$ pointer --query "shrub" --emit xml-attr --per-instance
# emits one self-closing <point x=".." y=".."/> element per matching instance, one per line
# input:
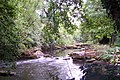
<point x="105" y="57"/>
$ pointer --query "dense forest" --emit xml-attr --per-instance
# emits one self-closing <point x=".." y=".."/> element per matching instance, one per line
<point x="37" y="23"/>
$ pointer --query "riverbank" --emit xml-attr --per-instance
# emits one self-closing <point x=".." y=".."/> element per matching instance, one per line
<point x="89" y="67"/>
<point x="89" y="53"/>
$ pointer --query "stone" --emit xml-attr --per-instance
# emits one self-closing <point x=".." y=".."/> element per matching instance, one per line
<point x="7" y="73"/>
<point x="90" y="54"/>
<point x="57" y="47"/>
<point x="33" y="53"/>
<point x="37" y="54"/>
<point x="77" y="55"/>
<point x="71" y="47"/>
<point x="90" y="60"/>
<point x="47" y="55"/>
<point x="86" y="54"/>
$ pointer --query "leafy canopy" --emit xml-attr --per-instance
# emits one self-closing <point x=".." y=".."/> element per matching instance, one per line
<point x="16" y="19"/>
<point x="97" y="23"/>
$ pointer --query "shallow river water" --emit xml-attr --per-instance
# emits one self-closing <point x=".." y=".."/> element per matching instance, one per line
<point x="59" y="67"/>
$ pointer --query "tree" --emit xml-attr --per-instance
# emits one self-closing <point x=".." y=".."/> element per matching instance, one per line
<point x="113" y="9"/>
<point x="8" y="32"/>
<point x="97" y="24"/>
<point x="56" y="15"/>
<point x="17" y="18"/>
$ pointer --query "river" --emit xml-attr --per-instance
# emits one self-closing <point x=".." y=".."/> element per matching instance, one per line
<point x="58" y="67"/>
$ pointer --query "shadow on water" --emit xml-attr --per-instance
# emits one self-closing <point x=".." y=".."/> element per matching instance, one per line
<point x="61" y="67"/>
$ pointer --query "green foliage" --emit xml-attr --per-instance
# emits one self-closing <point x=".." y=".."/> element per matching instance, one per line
<point x="17" y="21"/>
<point x="117" y="41"/>
<point x="8" y="32"/>
<point x="105" y="57"/>
<point x="111" y="55"/>
<point x="97" y="23"/>
<point x="27" y="22"/>
<point x="114" y="50"/>
<point x="77" y="36"/>
<point x="113" y="7"/>
<point x="21" y="28"/>
<point x="55" y="16"/>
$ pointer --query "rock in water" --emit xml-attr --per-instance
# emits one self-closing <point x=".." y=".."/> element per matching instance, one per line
<point x="33" y="53"/>
<point x="7" y="73"/>
<point x="77" y="55"/>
